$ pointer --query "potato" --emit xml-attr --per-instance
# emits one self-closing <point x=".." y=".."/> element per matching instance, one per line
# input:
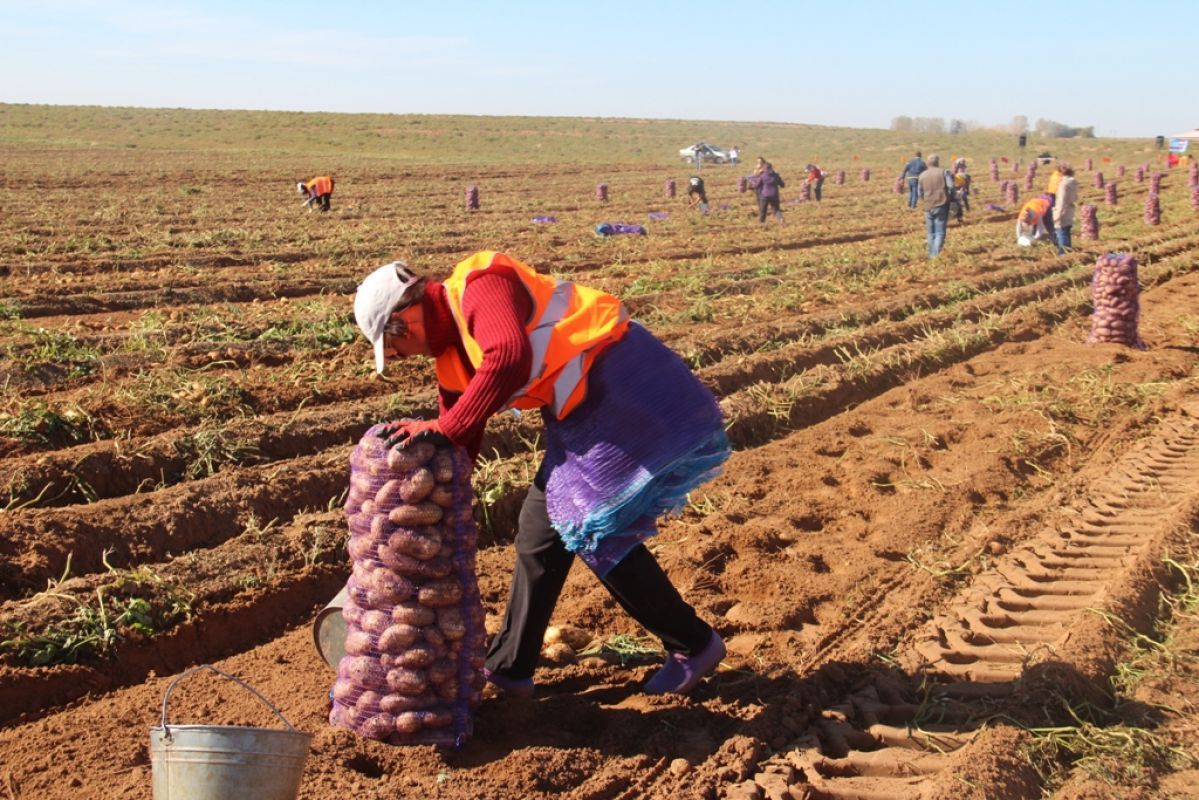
<point x="443" y="465"/>
<point x="410" y="457"/>
<point x="559" y="654"/>
<point x="359" y="522"/>
<point x="442" y="495"/>
<point x="368" y="701"/>
<point x="436" y="594"/>
<point x="361" y="483"/>
<point x="368" y="507"/>
<point x="448" y="690"/>
<point x="396" y="703"/>
<point x="576" y="637"/>
<point x="361" y="547"/>
<point x="413" y="613"/>
<point x="451" y="623"/>
<point x="407" y="681"/>
<point x="347" y="716"/>
<point x="381" y="528"/>
<point x="416" y="487"/>
<point x="437" y="719"/>
<point x="345" y="691"/>
<point x="377" y="726"/>
<point x="389" y="588"/>
<point x="434" y="636"/>
<point x="388" y="495"/>
<point x="409" y="722"/>
<point x="412" y="516"/>
<point x="442" y="670"/>
<point x="363" y="671"/>
<point x="422" y="543"/>
<point x="397" y="638"/>
<point x="418" y="655"/>
<point x="374" y="621"/>
<point x="358" y="643"/>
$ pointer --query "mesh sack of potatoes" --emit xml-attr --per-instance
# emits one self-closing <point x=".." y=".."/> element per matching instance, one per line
<point x="414" y="618"/>
<point x="1115" y="296"/>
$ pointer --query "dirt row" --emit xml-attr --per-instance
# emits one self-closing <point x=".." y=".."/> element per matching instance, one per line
<point x="784" y="553"/>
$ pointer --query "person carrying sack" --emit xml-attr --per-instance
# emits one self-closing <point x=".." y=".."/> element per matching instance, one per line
<point x="629" y="431"/>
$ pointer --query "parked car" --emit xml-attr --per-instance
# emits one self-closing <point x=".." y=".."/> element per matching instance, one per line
<point x="708" y="152"/>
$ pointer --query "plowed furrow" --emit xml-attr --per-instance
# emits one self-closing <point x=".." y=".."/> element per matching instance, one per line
<point x="980" y="646"/>
<point x="242" y="591"/>
<point x="38" y="545"/>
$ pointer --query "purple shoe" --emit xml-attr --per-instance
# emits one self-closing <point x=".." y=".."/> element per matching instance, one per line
<point x="521" y="688"/>
<point x="683" y="673"/>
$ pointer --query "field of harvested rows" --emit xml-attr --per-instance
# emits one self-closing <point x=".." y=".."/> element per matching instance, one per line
<point x="954" y="554"/>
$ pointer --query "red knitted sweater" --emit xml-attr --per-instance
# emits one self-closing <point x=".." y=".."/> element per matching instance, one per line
<point x="496" y="307"/>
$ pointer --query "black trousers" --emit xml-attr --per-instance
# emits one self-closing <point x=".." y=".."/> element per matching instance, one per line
<point x="542" y="564"/>
<point x="767" y="203"/>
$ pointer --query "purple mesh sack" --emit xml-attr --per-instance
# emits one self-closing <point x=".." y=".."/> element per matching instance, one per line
<point x="619" y="229"/>
<point x="412" y="673"/>
<point x="1115" y="297"/>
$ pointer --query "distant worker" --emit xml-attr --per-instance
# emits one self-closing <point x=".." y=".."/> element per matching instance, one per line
<point x="961" y="188"/>
<point x="734" y="155"/>
<point x="696" y="196"/>
<point x="767" y="183"/>
<point x="1063" y="207"/>
<point x="936" y="186"/>
<point x="911" y="171"/>
<point x="1030" y="222"/>
<point x="318" y="190"/>
<point x="815" y="179"/>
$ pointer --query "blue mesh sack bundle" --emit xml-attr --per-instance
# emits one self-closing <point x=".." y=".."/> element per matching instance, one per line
<point x="412" y="673"/>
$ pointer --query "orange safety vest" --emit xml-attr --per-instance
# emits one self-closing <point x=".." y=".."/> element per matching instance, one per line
<point x="1039" y="207"/>
<point x="1054" y="180"/>
<point x="319" y="186"/>
<point x="570" y="326"/>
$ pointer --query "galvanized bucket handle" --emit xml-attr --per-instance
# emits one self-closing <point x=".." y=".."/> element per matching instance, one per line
<point x="167" y="695"/>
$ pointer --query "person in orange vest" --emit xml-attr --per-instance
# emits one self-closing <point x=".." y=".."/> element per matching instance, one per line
<point x="319" y="190"/>
<point x="629" y="431"/>
<point x="1030" y="222"/>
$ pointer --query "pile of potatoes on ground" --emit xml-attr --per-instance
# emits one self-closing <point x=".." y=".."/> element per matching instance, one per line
<point x="1115" y="295"/>
<point x="415" y="633"/>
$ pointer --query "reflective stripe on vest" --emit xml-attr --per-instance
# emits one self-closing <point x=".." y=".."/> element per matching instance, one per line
<point x="560" y="356"/>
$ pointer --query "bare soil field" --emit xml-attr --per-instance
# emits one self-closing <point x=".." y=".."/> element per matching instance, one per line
<point x="954" y="554"/>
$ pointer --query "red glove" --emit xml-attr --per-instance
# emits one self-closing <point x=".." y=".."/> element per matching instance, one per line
<point x="406" y="432"/>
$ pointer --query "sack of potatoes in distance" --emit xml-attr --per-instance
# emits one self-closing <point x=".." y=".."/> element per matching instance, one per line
<point x="412" y="669"/>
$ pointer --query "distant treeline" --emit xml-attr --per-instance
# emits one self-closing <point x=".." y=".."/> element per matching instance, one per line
<point x="1046" y="128"/>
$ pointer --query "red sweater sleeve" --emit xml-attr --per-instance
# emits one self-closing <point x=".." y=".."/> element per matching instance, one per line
<point x="495" y="307"/>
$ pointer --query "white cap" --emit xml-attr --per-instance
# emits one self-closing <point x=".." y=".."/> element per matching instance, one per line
<point x="300" y="186"/>
<point x="377" y="297"/>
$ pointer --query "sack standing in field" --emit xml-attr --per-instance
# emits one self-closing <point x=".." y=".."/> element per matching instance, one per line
<point x="506" y="336"/>
<point x="1115" y="296"/>
<point x="414" y="619"/>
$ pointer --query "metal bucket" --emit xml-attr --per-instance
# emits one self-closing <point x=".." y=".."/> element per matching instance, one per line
<point x="217" y="762"/>
<point x="329" y="631"/>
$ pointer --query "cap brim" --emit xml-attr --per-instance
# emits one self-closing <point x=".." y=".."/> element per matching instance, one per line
<point x="380" y="359"/>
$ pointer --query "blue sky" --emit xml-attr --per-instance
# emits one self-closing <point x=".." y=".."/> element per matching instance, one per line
<point x="1112" y="65"/>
